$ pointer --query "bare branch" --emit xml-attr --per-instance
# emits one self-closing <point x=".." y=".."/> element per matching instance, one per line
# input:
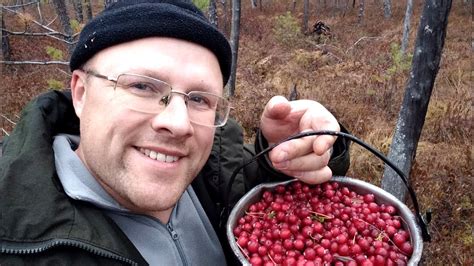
<point x="47" y="34"/>
<point x="37" y="23"/>
<point x="64" y="72"/>
<point x="361" y="39"/>
<point x="5" y="132"/>
<point x="51" y="22"/>
<point x="30" y="33"/>
<point x="34" y="63"/>
<point x="6" y="118"/>
<point x="27" y="4"/>
<point x="39" y="12"/>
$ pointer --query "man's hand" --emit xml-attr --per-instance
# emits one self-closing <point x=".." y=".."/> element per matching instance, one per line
<point x="305" y="158"/>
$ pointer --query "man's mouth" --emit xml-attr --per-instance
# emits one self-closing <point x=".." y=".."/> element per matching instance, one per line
<point x="158" y="156"/>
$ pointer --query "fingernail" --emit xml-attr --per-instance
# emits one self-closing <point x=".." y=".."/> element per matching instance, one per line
<point x="281" y="165"/>
<point x="297" y="174"/>
<point x="282" y="156"/>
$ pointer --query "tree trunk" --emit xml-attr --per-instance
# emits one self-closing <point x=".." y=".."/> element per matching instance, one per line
<point x="88" y="7"/>
<point x="425" y="65"/>
<point x="61" y="10"/>
<point x="78" y="9"/>
<point x="224" y="8"/>
<point x="306" y="16"/>
<point x="5" y="45"/>
<point x="387" y="8"/>
<point x="234" y="43"/>
<point x="253" y="3"/>
<point x="406" y="26"/>
<point x="213" y="13"/>
<point x="360" y="18"/>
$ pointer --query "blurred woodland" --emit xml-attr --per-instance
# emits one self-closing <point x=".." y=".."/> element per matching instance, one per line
<point x="356" y="68"/>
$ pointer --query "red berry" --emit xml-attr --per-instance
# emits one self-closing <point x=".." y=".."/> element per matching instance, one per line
<point x="301" y="224"/>
<point x="309" y="254"/>
<point x="407" y="248"/>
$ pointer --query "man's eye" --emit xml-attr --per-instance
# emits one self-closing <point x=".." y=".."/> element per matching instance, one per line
<point x="141" y="86"/>
<point x="199" y="99"/>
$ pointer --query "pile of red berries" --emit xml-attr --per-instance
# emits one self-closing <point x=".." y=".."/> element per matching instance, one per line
<point x="327" y="224"/>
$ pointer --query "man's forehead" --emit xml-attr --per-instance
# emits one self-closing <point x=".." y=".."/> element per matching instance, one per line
<point x="157" y="57"/>
<point x="177" y="19"/>
<point x="150" y="47"/>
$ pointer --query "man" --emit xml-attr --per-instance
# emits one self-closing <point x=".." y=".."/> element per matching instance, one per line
<point x="145" y="181"/>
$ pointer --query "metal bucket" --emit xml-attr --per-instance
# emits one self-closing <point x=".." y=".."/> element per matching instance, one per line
<point x="415" y="224"/>
<point x="358" y="186"/>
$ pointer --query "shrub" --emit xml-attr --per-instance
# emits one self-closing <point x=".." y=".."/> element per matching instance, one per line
<point x="287" y="30"/>
<point x="54" y="84"/>
<point x="400" y="62"/>
<point x="54" y="53"/>
<point x="201" y="4"/>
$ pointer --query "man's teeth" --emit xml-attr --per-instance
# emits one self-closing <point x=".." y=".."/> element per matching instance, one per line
<point x="158" y="156"/>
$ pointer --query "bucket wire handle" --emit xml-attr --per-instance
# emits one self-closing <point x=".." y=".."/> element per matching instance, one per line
<point x="421" y="221"/>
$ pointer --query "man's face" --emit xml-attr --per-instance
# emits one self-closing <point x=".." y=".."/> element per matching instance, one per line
<point x="115" y="140"/>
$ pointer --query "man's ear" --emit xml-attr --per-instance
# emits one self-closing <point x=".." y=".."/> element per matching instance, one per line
<point x="78" y="91"/>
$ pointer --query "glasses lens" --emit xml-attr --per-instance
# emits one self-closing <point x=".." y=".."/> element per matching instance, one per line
<point x="207" y="109"/>
<point x="141" y="93"/>
<point x="145" y="94"/>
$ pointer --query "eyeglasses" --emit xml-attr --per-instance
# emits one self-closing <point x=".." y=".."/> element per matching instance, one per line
<point x="150" y="95"/>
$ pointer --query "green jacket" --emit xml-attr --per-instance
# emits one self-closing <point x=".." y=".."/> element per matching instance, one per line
<point x="40" y="225"/>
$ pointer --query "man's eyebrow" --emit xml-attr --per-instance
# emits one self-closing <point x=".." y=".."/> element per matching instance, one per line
<point x="147" y="72"/>
<point x="201" y="85"/>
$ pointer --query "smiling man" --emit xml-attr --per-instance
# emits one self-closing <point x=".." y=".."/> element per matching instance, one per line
<point x="131" y="165"/>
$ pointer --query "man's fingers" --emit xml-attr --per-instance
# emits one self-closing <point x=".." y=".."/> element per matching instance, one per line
<point x="299" y="147"/>
<point x="292" y="149"/>
<point x="309" y="162"/>
<point x="277" y="108"/>
<point x="312" y="177"/>
<point x="323" y="143"/>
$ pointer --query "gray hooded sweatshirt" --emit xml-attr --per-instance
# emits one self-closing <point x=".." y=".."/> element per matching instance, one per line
<point x="187" y="239"/>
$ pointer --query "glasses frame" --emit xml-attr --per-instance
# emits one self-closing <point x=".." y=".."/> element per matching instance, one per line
<point x="167" y="98"/>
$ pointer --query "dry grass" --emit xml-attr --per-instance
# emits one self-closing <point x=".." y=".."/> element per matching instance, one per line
<point x="349" y="75"/>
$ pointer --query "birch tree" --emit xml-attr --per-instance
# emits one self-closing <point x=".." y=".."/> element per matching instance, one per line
<point x="61" y="10"/>
<point x="387" y="8"/>
<point x="213" y="13"/>
<point x="306" y="16"/>
<point x="234" y="44"/>
<point x="426" y="58"/>
<point x="88" y="9"/>
<point x="253" y="3"/>
<point x="225" y="19"/>
<point x="360" y="16"/>
<point x="406" y="26"/>
<point x="78" y="9"/>
<point x="5" y="42"/>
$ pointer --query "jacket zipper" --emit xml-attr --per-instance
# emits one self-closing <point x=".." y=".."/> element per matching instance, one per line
<point x="33" y="248"/>
<point x="175" y="237"/>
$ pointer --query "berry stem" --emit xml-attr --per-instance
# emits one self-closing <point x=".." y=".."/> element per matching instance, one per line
<point x="382" y="233"/>
<point x="243" y="251"/>
<point x="322" y="215"/>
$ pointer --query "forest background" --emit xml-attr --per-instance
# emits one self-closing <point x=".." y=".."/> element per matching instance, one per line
<point x="358" y="73"/>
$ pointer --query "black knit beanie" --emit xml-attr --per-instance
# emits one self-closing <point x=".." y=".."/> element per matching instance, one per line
<point x="128" y="20"/>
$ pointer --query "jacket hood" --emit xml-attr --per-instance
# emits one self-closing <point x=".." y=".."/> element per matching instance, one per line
<point x="34" y="208"/>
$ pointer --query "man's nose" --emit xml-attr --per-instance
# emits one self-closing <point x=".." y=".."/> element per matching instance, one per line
<point x="174" y="117"/>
